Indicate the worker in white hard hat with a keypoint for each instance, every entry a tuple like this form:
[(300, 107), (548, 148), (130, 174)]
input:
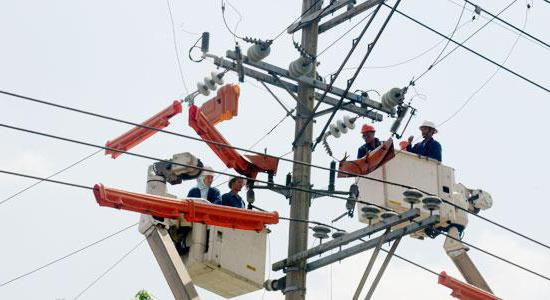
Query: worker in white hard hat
[(428, 147), (203, 188)]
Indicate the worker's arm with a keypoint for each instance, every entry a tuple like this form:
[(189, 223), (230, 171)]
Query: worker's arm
[(215, 195), (436, 151), (361, 152)]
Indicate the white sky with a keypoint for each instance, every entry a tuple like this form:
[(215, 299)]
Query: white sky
[(117, 58)]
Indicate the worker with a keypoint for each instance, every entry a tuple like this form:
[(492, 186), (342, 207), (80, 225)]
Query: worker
[(371, 142), (428, 147), (203, 188), (232, 198)]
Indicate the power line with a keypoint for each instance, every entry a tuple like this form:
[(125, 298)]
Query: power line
[(521, 31), (436, 62), (47, 180), (255, 152), (284, 218), (488, 79), (195, 139), (452, 34), (176, 47), (321, 193), (408, 59), (69, 254), (335, 75), (343, 35), (109, 269), (54, 174), (352, 79), (472, 51), (496, 256)]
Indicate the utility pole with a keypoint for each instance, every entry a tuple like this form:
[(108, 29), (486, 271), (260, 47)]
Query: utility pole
[(300, 201)]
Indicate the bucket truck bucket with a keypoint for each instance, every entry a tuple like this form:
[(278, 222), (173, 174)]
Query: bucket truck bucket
[(136, 135)]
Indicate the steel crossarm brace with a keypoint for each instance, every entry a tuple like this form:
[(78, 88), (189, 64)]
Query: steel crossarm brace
[(395, 234), (306, 20), (382, 269), (348, 14), (227, 64), (369, 266), (347, 238), (312, 82)]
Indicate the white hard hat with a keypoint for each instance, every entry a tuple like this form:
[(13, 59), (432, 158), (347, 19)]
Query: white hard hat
[(207, 171), (428, 124)]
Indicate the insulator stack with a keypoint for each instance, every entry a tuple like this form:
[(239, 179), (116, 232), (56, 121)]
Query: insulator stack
[(258, 52), (341, 126), (393, 97), (300, 67), (210, 83)]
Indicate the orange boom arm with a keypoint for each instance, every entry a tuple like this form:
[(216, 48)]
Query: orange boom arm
[(136, 135)]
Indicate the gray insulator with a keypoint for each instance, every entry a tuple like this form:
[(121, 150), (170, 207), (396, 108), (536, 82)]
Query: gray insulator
[(431, 203), (217, 78), (412, 194), (350, 122), (393, 97), (370, 212), (387, 214), (300, 67), (321, 229), (209, 83), (258, 52), (203, 89), (412, 200), (334, 131), (338, 234), (320, 235)]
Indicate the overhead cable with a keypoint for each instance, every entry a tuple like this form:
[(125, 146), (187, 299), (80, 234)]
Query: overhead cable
[(71, 253), (282, 157)]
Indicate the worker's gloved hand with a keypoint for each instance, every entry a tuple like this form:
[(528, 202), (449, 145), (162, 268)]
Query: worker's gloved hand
[(411, 138)]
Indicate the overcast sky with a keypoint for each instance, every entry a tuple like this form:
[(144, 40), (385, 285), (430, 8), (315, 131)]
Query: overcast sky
[(118, 58)]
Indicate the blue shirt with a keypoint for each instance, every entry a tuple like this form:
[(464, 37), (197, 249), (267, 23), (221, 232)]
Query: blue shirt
[(366, 148), (233, 200), (430, 148), (213, 194)]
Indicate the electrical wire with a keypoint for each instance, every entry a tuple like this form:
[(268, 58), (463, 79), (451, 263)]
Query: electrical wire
[(268, 155), (522, 32), (283, 218), (232, 32), (69, 254), (52, 175), (335, 76), (471, 50), (343, 35), (109, 269), (354, 77), (452, 34), (408, 59), (175, 40), (495, 256), (301, 16), (309, 191), (467, 101), (436, 62)]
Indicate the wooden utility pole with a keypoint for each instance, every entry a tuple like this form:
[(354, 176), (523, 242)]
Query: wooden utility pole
[(300, 201)]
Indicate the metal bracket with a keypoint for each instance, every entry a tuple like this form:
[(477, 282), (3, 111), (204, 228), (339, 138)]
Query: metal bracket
[(227, 64), (357, 9), (309, 18)]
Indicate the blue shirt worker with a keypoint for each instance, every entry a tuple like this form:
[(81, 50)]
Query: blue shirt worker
[(371, 142), (232, 198), (428, 147), (204, 189)]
